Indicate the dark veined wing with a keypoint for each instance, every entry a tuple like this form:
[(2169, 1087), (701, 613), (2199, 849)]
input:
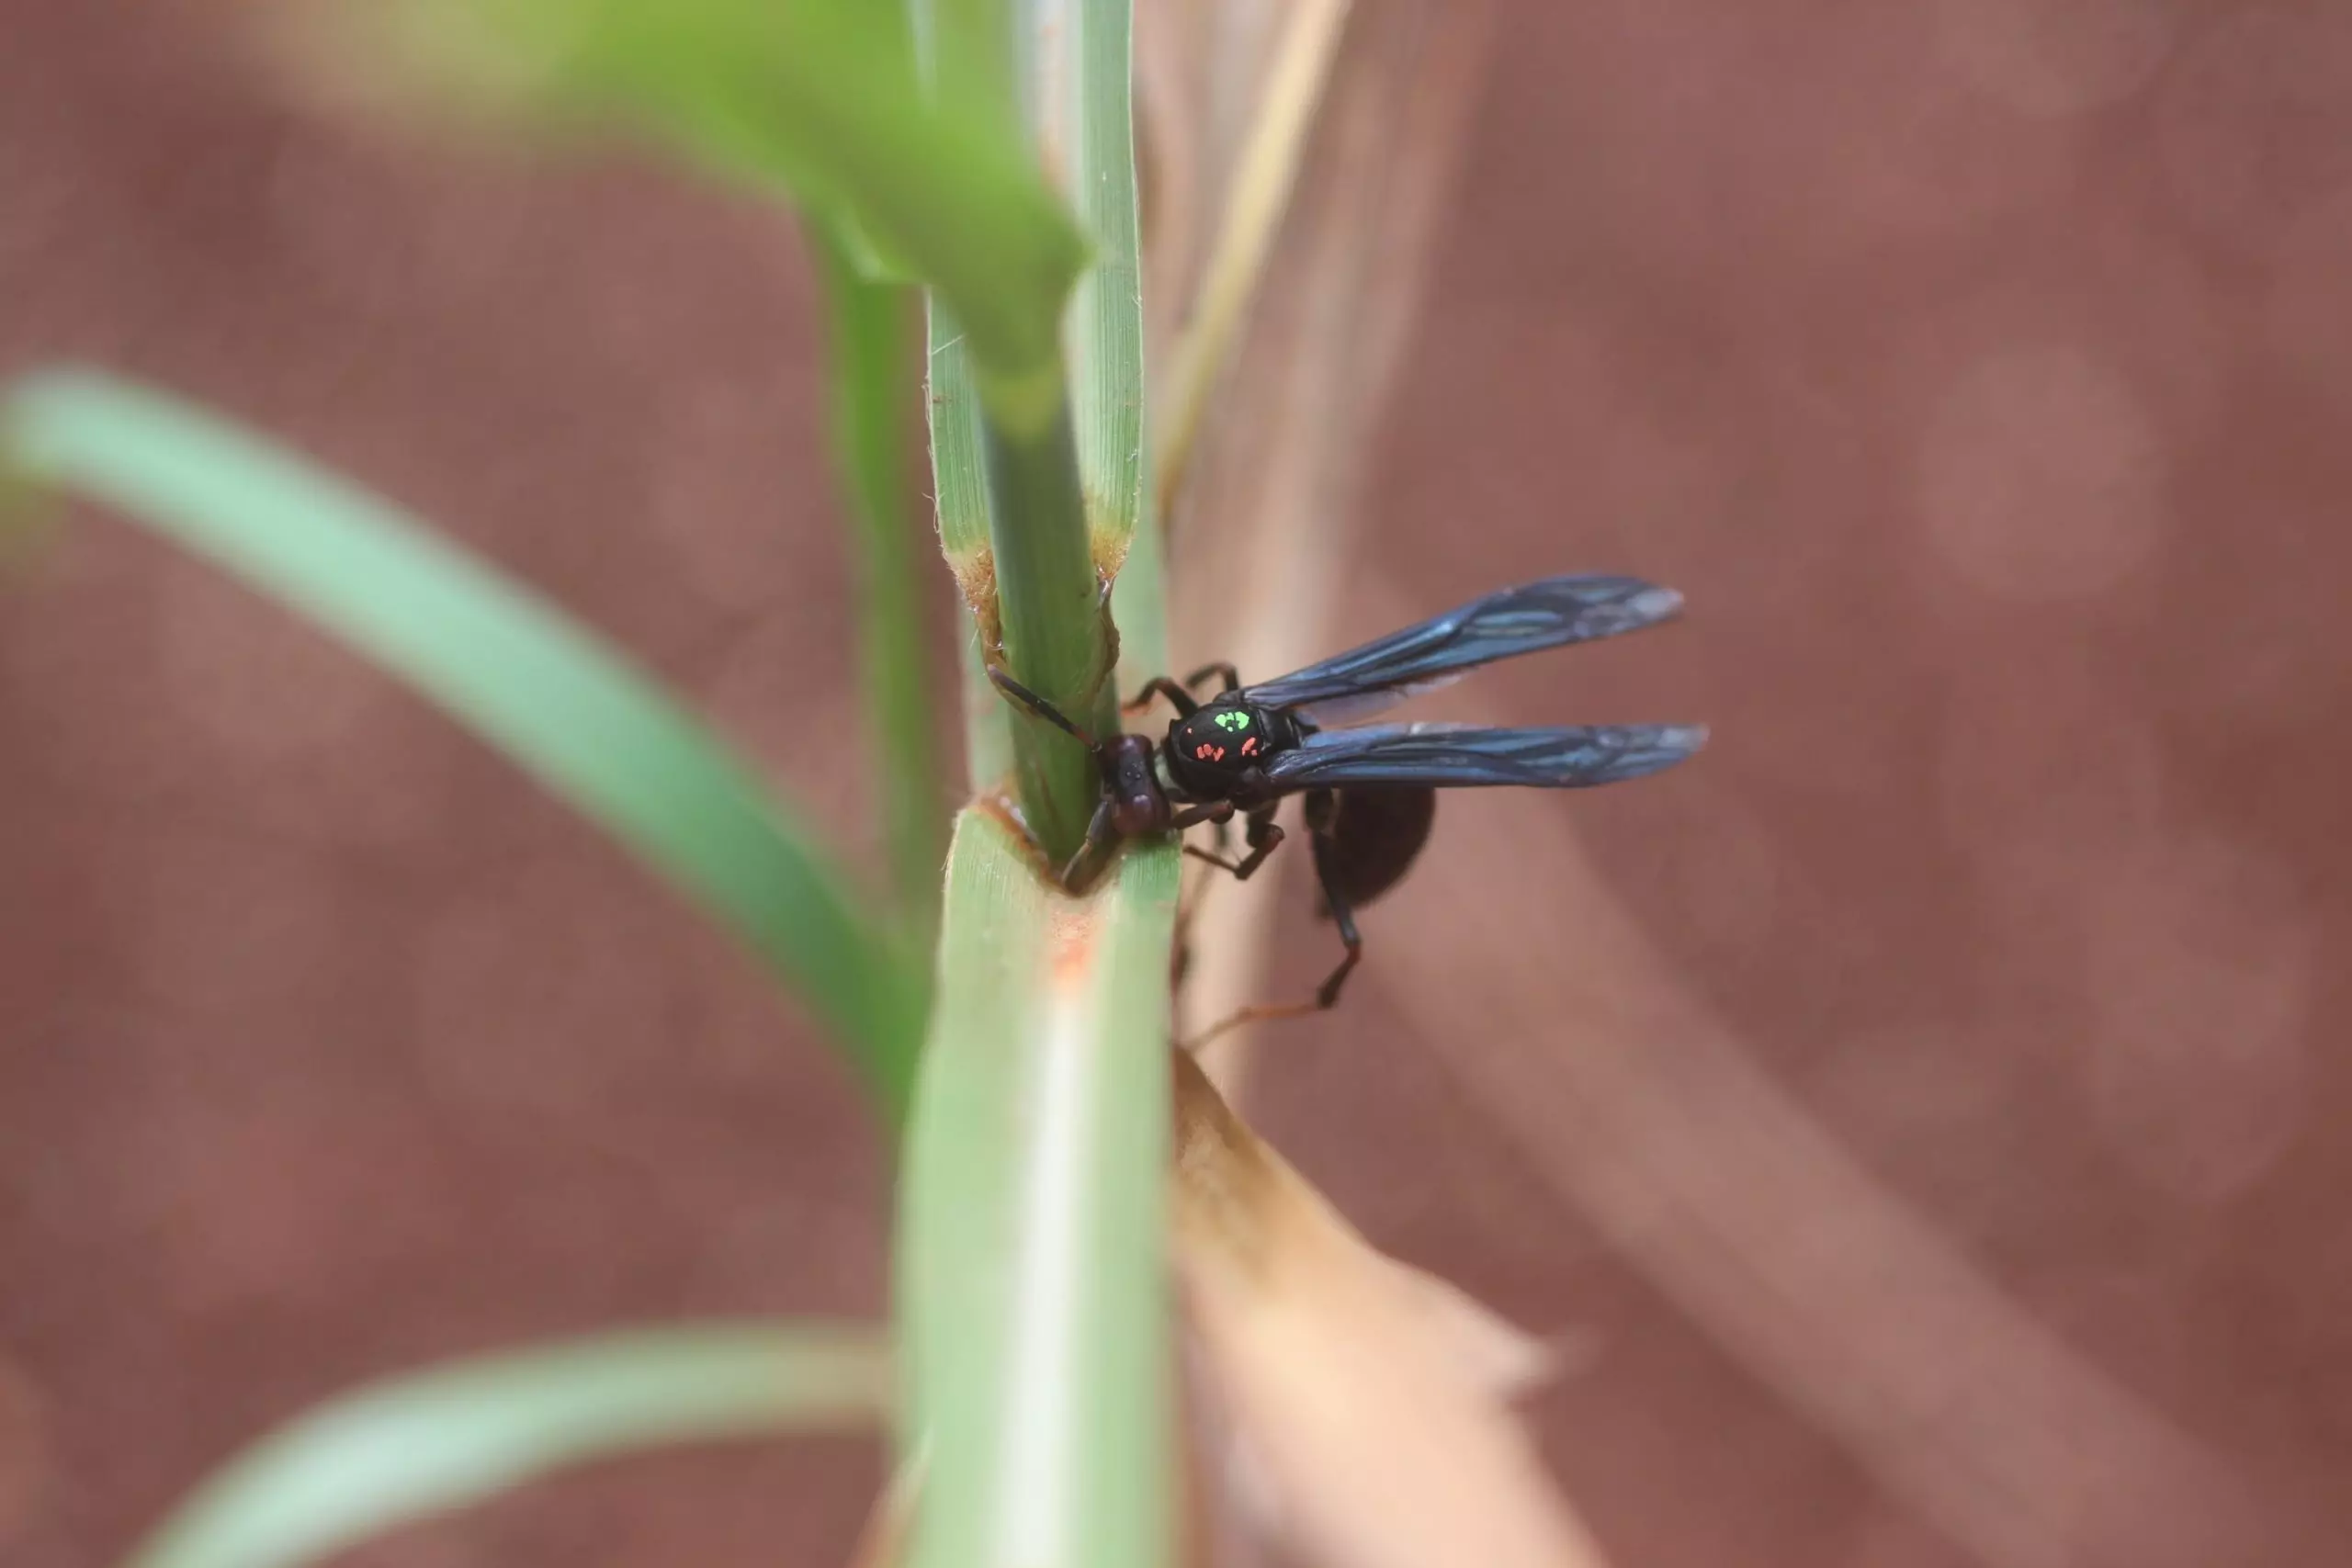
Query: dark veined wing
[(1459, 755), (1503, 624)]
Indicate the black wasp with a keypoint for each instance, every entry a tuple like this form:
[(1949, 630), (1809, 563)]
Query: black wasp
[(1371, 791)]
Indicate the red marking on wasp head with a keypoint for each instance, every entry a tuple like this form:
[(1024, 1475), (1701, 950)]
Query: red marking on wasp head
[(1249, 746)]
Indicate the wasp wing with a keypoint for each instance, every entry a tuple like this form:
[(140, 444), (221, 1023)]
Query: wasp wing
[(1503, 624), (1466, 756)]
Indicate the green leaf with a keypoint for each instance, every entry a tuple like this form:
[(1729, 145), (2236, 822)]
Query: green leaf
[(426, 1443), (559, 702), (1033, 1297), (822, 97)]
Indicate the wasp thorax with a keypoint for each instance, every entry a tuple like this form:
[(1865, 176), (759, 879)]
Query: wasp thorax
[(1225, 738)]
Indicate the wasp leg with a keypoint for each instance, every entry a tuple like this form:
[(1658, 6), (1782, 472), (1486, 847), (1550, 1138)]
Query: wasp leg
[(1326, 995), (1013, 691), (1263, 837), (1220, 836), (1179, 694), (1231, 676), (1218, 811), (1085, 863), (1160, 685), (1223, 834), (1188, 908)]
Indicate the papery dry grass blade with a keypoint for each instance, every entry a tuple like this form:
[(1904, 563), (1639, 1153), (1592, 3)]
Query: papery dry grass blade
[(883, 1542), (1370, 1399), (1645, 1114), (1263, 533), (1255, 201), (1170, 91)]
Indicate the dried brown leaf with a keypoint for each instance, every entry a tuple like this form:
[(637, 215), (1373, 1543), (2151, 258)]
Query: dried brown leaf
[(1369, 1400)]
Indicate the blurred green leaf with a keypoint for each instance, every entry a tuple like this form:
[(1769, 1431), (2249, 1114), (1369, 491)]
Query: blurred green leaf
[(426, 1443), (820, 96), (1033, 1294), (533, 683)]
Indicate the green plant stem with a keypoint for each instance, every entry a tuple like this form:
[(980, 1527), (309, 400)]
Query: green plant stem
[(1048, 599), (1032, 584), (1032, 1296), (1013, 525), (869, 358), (1033, 1292)]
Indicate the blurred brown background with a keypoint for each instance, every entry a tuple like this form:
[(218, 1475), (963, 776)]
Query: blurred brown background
[(1977, 368)]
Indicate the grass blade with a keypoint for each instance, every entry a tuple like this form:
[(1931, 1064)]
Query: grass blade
[(429, 1443), (1032, 1293), (568, 709), (1093, 123)]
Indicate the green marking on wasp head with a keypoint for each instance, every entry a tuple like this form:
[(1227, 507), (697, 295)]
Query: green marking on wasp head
[(1231, 720)]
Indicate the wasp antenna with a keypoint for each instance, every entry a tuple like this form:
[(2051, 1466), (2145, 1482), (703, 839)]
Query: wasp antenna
[(1018, 692)]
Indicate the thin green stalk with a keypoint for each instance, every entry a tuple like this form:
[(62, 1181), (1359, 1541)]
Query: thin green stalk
[(1033, 587), (869, 358), (1047, 602), (1033, 1292), (1014, 529)]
